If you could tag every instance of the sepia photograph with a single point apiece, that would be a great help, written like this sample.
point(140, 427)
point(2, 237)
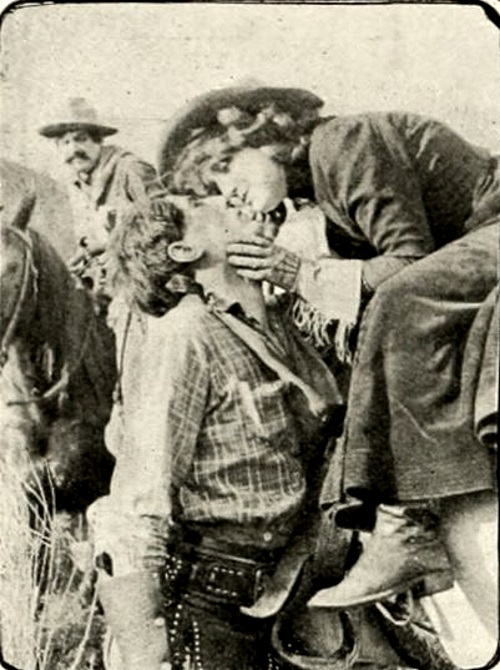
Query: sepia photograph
point(249, 335)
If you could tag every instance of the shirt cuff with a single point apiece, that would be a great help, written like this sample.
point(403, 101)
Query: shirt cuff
point(284, 273)
point(377, 270)
point(332, 286)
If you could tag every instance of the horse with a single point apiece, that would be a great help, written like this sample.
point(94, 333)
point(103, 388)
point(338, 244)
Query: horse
point(57, 375)
point(57, 372)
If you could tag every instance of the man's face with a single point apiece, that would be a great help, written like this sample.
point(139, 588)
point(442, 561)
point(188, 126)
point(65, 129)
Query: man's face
point(79, 151)
point(211, 226)
point(253, 178)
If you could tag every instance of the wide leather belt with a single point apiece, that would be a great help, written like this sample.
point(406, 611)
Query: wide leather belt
point(206, 571)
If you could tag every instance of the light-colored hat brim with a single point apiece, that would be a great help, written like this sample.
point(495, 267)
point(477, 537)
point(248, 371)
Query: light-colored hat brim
point(58, 129)
point(201, 112)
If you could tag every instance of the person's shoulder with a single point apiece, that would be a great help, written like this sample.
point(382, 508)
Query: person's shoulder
point(339, 135)
point(184, 319)
point(185, 327)
point(125, 157)
point(336, 130)
point(348, 123)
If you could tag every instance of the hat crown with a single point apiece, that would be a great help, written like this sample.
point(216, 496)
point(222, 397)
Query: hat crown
point(76, 114)
point(79, 110)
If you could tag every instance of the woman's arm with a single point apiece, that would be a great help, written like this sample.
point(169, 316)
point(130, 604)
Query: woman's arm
point(331, 285)
point(364, 181)
point(367, 184)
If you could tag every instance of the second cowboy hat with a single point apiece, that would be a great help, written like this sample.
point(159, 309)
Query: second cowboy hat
point(202, 112)
point(77, 114)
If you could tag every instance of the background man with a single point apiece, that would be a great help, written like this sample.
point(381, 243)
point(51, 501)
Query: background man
point(102, 179)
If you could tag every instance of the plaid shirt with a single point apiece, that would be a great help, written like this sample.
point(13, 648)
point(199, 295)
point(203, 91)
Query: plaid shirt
point(237, 454)
point(206, 432)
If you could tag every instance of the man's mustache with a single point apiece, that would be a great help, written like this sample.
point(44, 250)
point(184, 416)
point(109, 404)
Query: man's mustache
point(78, 154)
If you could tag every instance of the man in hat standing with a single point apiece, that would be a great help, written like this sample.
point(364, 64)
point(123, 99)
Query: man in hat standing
point(102, 180)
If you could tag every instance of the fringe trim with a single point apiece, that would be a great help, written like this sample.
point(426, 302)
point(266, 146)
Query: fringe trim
point(324, 334)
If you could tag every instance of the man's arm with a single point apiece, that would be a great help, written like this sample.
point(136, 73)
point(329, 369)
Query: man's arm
point(153, 436)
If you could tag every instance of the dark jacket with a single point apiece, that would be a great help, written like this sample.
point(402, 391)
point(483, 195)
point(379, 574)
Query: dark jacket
point(394, 186)
point(401, 190)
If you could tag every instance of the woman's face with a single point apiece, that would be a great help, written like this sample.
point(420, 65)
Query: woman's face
point(253, 178)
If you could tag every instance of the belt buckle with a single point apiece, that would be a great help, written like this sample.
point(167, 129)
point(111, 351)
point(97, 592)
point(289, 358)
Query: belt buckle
point(229, 579)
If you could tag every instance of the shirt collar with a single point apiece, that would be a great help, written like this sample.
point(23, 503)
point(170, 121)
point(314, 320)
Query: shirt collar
point(233, 307)
point(221, 304)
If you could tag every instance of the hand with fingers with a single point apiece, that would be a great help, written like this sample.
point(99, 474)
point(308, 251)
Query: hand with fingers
point(255, 257)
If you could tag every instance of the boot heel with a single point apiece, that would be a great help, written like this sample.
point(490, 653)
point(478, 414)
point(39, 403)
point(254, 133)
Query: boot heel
point(440, 580)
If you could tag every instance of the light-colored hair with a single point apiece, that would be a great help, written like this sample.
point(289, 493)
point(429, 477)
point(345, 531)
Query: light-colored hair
point(210, 149)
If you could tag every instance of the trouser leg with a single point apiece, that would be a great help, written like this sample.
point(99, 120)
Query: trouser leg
point(212, 636)
point(409, 427)
point(409, 431)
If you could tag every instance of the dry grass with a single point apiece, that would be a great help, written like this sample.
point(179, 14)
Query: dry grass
point(48, 611)
point(17, 596)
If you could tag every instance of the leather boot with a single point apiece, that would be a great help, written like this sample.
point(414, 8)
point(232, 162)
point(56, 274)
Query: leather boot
point(403, 550)
point(133, 609)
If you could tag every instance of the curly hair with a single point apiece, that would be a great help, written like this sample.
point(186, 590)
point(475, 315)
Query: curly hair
point(210, 149)
point(138, 258)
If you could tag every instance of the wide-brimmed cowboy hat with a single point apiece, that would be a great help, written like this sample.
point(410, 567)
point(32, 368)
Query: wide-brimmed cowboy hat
point(202, 112)
point(76, 114)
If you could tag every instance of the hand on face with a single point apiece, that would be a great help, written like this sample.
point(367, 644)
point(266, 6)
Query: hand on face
point(254, 257)
point(215, 234)
point(212, 225)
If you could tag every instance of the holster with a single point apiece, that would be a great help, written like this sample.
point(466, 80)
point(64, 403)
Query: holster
point(134, 612)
